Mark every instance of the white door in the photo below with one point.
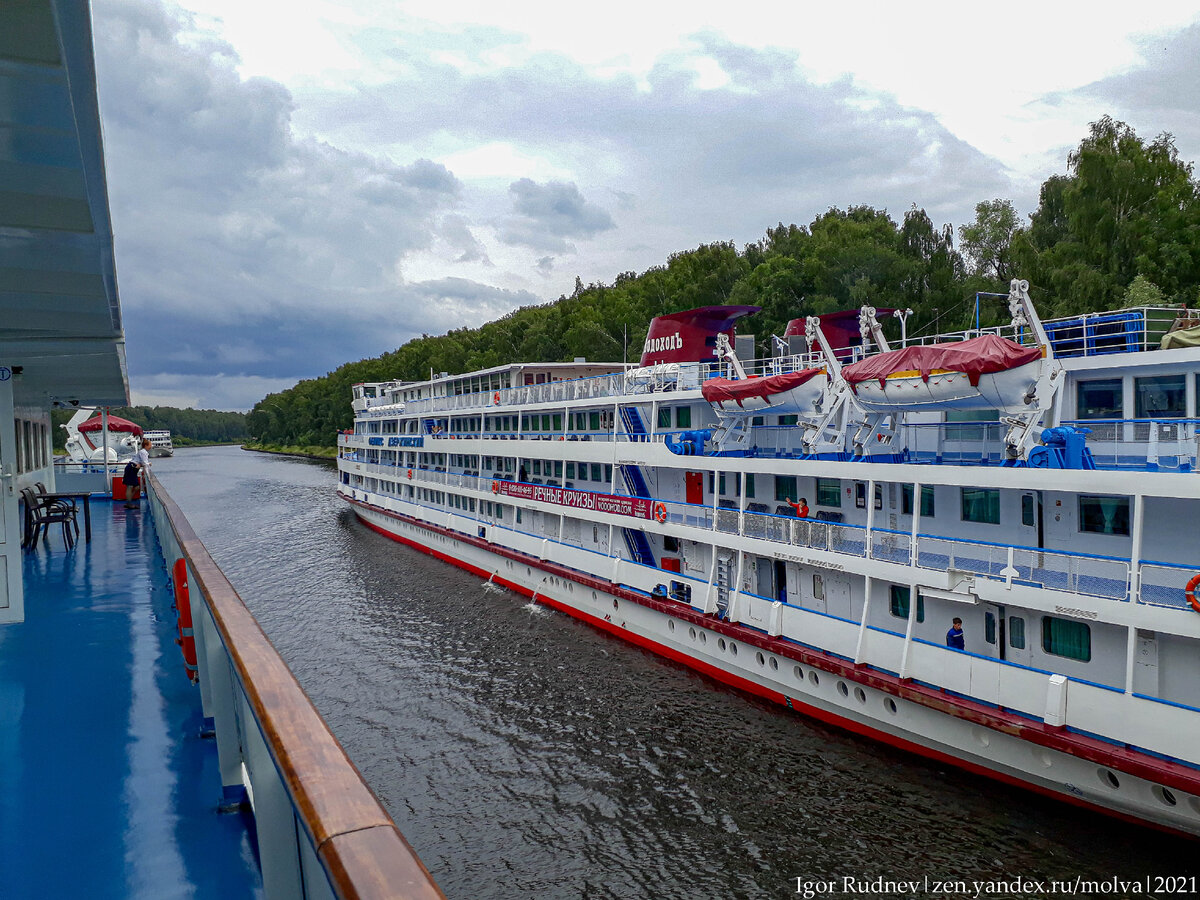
(837, 596)
(12, 599)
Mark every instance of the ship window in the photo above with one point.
(1160, 397)
(608, 474)
(1028, 510)
(989, 627)
(750, 484)
(594, 421)
(906, 500)
(785, 488)
(558, 421)
(571, 470)
(818, 586)
(721, 490)
(664, 417)
(537, 467)
(1064, 637)
(596, 473)
(788, 421)
(546, 422)
(901, 595)
(758, 420)
(829, 492)
(1104, 515)
(535, 423)
(683, 417)
(981, 505)
(558, 468)
(1016, 632)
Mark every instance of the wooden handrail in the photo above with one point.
(362, 850)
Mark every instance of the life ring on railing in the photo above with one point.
(186, 639)
(410, 474)
(495, 487)
(1190, 592)
(496, 398)
(660, 512)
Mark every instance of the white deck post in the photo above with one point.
(861, 646)
(870, 516)
(1135, 584)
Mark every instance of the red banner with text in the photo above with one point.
(613, 504)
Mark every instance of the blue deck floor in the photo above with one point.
(107, 788)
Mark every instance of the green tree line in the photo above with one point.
(1120, 227)
(187, 426)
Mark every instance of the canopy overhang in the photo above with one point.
(61, 333)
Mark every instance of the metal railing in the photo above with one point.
(1104, 577)
(321, 832)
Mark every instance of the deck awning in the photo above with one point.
(60, 317)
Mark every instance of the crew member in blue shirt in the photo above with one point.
(954, 637)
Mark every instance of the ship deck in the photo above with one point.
(107, 788)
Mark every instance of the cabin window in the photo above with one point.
(750, 485)
(1065, 637)
(1028, 510)
(664, 417)
(981, 505)
(901, 597)
(608, 474)
(594, 421)
(683, 417)
(546, 422)
(1160, 397)
(989, 627)
(571, 470)
(721, 489)
(829, 492)
(1016, 632)
(1104, 515)
(758, 420)
(535, 423)
(596, 473)
(906, 500)
(558, 468)
(818, 586)
(788, 421)
(785, 488)
(537, 467)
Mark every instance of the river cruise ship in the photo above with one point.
(810, 527)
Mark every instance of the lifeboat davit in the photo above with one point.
(793, 392)
(987, 372)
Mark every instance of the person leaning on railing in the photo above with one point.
(133, 472)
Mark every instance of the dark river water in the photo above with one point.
(524, 754)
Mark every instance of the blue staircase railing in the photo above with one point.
(639, 547)
(634, 427)
(635, 481)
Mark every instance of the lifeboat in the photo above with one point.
(987, 372)
(793, 392)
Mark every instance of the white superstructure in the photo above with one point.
(1050, 524)
(160, 443)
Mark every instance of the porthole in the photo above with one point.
(670, 624)
(703, 637)
(774, 663)
(527, 572)
(983, 737)
(615, 604)
(860, 695)
(721, 644)
(1109, 778)
(890, 705)
(1165, 797)
(842, 689)
(812, 676)
(593, 595)
(732, 649)
(798, 672)
(762, 660)
(692, 633)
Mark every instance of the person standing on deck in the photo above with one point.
(954, 637)
(132, 479)
(801, 508)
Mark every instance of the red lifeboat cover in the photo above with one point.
(974, 357)
(115, 423)
(691, 335)
(717, 390)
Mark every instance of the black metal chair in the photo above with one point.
(39, 516)
(63, 503)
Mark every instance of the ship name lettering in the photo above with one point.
(1079, 613)
(659, 344)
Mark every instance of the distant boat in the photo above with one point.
(160, 443)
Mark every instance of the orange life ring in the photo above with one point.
(496, 398)
(183, 603)
(410, 473)
(495, 487)
(1190, 592)
(660, 512)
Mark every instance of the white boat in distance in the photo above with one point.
(985, 479)
(160, 443)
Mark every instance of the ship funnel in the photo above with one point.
(691, 335)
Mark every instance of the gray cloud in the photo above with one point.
(1161, 94)
(546, 214)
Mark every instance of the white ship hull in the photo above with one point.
(910, 716)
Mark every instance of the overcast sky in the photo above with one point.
(297, 185)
